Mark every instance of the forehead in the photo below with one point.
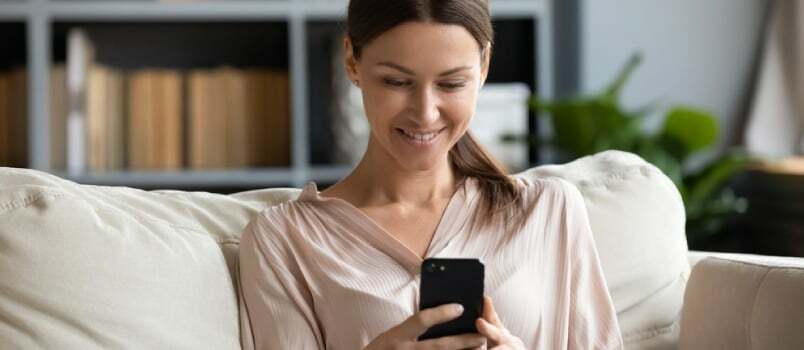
(423, 45)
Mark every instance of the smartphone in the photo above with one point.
(446, 281)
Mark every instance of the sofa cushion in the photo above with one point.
(637, 218)
(90, 266)
(100, 267)
(757, 299)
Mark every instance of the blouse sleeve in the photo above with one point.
(275, 305)
(592, 320)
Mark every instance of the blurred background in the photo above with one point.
(226, 96)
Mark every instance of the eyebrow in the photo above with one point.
(410, 72)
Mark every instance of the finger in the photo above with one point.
(462, 341)
(489, 313)
(489, 330)
(418, 323)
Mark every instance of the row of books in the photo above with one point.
(13, 117)
(166, 119)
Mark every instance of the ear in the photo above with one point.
(486, 57)
(349, 60)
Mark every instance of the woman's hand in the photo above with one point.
(492, 328)
(404, 335)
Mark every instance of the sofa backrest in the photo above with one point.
(91, 266)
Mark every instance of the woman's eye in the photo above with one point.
(453, 85)
(395, 82)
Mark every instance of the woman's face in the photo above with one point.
(420, 83)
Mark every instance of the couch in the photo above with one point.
(92, 267)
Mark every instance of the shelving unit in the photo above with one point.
(524, 29)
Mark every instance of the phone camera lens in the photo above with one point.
(442, 267)
(431, 267)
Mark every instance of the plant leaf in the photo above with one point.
(687, 130)
(714, 176)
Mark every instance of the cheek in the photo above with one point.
(459, 108)
(382, 107)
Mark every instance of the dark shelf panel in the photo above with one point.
(188, 44)
(13, 45)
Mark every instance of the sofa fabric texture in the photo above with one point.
(738, 301)
(113, 267)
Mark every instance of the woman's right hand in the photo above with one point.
(404, 335)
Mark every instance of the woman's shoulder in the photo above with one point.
(556, 188)
(282, 218)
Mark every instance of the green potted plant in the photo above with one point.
(587, 125)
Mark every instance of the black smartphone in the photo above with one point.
(446, 281)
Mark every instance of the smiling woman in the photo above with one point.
(425, 105)
(339, 269)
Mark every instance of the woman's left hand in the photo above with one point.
(492, 328)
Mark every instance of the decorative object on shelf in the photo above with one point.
(502, 109)
(587, 125)
(80, 55)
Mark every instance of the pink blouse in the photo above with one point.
(317, 273)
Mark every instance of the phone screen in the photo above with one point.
(446, 281)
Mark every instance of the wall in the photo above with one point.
(700, 53)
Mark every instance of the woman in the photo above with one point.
(339, 269)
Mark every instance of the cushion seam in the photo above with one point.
(619, 175)
(33, 198)
(26, 201)
(158, 221)
(753, 307)
(651, 332)
(758, 264)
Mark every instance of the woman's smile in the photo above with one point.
(419, 139)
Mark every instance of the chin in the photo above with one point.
(418, 163)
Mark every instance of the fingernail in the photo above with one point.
(458, 309)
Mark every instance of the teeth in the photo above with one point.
(420, 136)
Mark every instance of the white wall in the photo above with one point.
(695, 52)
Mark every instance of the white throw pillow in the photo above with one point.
(88, 267)
(637, 218)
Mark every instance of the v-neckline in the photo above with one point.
(449, 224)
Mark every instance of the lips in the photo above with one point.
(422, 136)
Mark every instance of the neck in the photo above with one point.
(379, 179)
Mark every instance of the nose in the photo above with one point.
(426, 105)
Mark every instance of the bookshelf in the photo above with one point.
(284, 34)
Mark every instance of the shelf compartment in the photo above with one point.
(238, 54)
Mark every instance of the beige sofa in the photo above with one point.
(86, 267)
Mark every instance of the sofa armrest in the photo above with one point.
(741, 301)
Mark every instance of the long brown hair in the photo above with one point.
(368, 19)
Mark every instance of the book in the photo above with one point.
(14, 118)
(155, 113)
(58, 117)
(207, 120)
(115, 121)
(21, 103)
(277, 145)
(237, 118)
(171, 112)
(95, 118)
(5, 128)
